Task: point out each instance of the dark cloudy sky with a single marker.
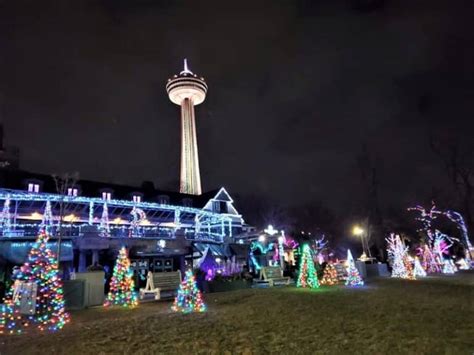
(295, 89)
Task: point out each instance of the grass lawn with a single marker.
(430, 316)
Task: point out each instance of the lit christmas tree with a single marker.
(449, 267)
(189, 298)
(122, 291)
(329, 275)
(397, 253)
(6, 218)
(36, 297)
(307, 276)
(418, 270)
(353, 276)
(47, 221)
(104, 227)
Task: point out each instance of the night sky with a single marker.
(296, 88)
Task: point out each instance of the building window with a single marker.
(137, 198)
(163, 200)
(107, 196)
(216, 206)
(72, 191)
(187, 202)
(33, 187)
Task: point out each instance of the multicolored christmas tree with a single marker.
(418, 270)
(36, 297)
(307, 276)
(353, 276)
(189, 298)
(329, 275)
(122, 291)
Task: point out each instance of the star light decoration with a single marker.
(36, 298)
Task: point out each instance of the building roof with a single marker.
(19, 179)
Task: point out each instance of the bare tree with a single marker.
(63, 183)
(457, 157)
(369, 177)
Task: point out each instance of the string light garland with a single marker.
(36, 297)
(307, 276)
(122, 286)
(329, 275)
(188, 298)
(353, 276)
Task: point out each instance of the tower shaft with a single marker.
(190, 175)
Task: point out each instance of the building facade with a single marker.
(162, 230)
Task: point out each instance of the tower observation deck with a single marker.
(187, 90)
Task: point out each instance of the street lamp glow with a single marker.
(261, 238)
(270, 230)
(358, 231)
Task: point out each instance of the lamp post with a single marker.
(360, 232)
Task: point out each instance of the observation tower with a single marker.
(188, 90)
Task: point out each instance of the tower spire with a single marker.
(186, 69)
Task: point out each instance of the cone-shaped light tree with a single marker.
(353, 276)
(449, 267)
(36, 297)
(307, 276)
(122, 291)
(329, 275)
(189, 298)
(418, 270)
